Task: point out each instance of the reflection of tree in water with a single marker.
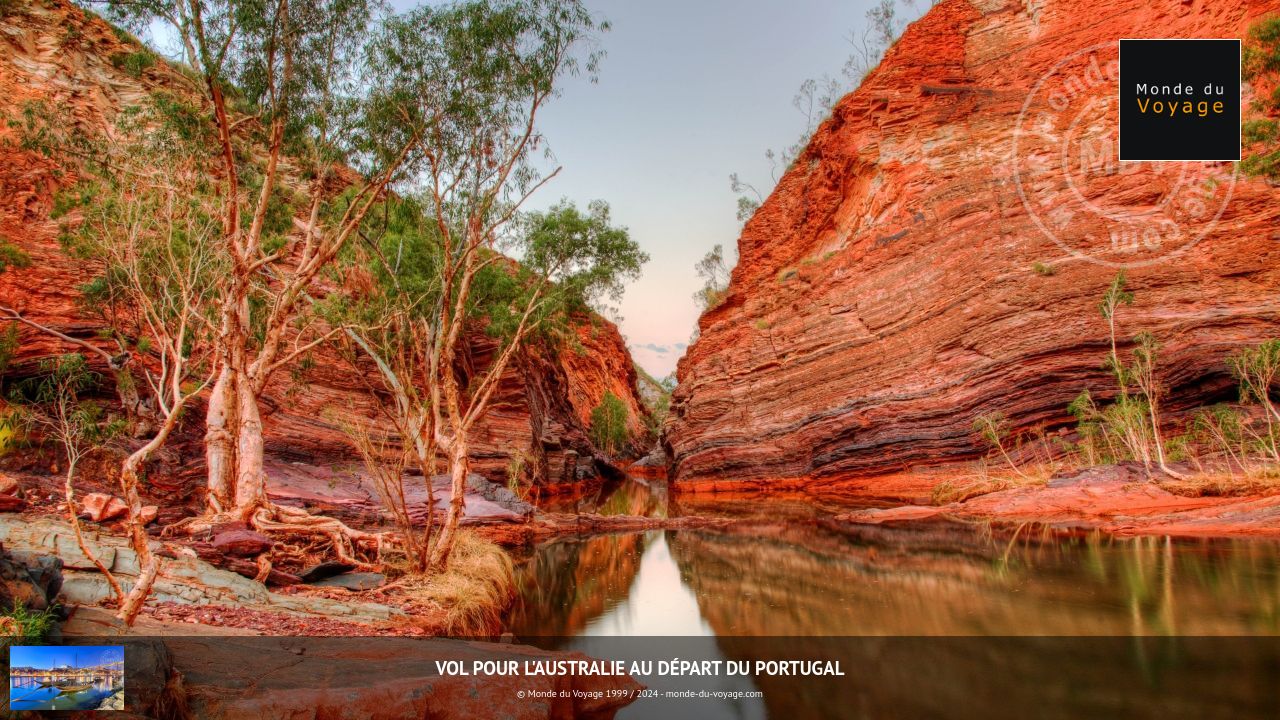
(569, 583)
(790, 580)
(783, 593)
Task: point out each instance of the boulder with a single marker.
(11, 503)
(149, 514)
(29, 579)
(242, 543)
(101, 507)
(499, 495)
(8, 485)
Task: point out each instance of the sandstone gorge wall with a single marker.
(921, 263)
(53, 52)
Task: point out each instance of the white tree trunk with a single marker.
(220, 442)
(459, 468)
(251, 479)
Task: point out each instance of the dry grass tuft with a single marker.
(472, 594)
(984, 482)
(1259, 480)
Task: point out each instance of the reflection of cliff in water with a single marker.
(955, 580)
(624, 496)
(568, 583)
(783, 594)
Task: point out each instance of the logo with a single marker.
(1180, 100)
(1078, 192)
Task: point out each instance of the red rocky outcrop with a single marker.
(53, 52)
(895, 284)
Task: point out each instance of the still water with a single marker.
(24, 696)
(786, 574)
(763, 587)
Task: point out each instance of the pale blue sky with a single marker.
(688, 93)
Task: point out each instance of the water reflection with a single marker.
(792, 573)
(897, 584)
(25, 694)
(627, 496)
(785, 584)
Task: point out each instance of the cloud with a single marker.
(655, 348)
(681, 346)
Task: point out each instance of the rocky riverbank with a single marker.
(1120, 500)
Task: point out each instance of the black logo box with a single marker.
(1188, 65)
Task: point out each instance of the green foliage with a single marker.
(12, 256)
(277, 222)
(66, 374)
(1129, 427)
(518, 468)
(993, 427)
(571, 260)
(1115, 296)
(134, 63)
(8, 346)
(1262, 49)
(1120, 430)
(583, 255)
(1262, 57)
(1260, 130)
(1221, 428)
(656, 395)
(184, 122)
(1257, 369)
(714, 272)
(22, 623)
(1044, 269)
(55, 400)
(609, 424)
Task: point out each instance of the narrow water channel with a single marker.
(785, 576)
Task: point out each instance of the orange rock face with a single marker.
(52, 52)
(939, 250)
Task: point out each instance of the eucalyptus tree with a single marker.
(56, 402)
(477, 75)
(282, 83)
(153, 240)
(569, 260)
(442, 100)
(144, 227)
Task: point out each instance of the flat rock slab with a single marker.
(183, 579)
(1116, 499)
(876, 516)
(312, 484)
(354, 581)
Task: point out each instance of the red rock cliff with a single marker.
(55, 53)
(924, 261)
